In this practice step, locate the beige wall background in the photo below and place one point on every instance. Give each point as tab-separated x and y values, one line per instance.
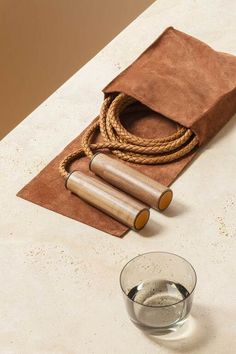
44	42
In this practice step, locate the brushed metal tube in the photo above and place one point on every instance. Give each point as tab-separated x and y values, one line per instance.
131	181
111	201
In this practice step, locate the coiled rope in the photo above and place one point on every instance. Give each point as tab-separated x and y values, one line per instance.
127	146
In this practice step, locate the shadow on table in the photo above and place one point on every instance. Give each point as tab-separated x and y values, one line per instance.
193	335
176	208
151	229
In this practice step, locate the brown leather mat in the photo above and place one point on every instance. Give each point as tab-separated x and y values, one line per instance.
177	76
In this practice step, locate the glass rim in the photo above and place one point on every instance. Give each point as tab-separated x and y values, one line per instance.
160	252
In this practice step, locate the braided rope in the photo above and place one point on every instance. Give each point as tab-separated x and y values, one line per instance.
127	146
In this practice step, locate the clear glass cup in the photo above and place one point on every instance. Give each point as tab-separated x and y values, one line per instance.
158	291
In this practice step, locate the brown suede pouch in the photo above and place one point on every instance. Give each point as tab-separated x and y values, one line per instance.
177	79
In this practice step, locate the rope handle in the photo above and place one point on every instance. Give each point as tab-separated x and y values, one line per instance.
127	146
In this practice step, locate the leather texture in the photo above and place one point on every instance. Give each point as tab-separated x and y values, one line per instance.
177	79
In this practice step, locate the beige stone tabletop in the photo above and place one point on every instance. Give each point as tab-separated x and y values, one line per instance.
59	278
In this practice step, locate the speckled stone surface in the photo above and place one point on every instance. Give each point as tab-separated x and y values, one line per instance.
60	278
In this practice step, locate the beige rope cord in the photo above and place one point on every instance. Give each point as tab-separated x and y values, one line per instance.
127	146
